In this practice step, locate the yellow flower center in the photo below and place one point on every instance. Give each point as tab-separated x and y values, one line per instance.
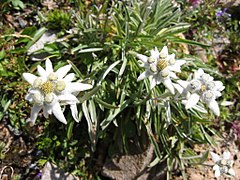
203	88
47	87
162	64
224	162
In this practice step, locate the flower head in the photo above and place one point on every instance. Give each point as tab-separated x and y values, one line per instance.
223	165
202	87
52	89
160	68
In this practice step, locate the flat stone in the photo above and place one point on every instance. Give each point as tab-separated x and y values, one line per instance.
52	172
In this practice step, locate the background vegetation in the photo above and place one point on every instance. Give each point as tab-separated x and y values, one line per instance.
119	115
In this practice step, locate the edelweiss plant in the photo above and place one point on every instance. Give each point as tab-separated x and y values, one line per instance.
223	165
160	67
201	87
51	90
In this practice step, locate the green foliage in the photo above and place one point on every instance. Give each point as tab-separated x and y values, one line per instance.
58	19
6	5
101	43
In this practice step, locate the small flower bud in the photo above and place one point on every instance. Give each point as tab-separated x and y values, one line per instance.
194	85
49	98
37	83
172	60
164	73
37	98
153	68
60	86
151	60
52	77
208	96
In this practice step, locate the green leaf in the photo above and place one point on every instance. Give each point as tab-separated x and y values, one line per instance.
105	104
70	129
107	71
118	26
113	113
36	36
123	66
186	41
17	4
88	95
90	50
80	46
76	70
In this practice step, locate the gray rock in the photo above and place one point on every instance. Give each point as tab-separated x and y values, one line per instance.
52	172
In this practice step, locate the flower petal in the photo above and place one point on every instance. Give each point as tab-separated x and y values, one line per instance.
144	75
226	155
198	73
178	88
182	83
200	109
30	78
164	52
180	62
155	53
76	87
219	85
173	75
67	97
153	82
192	100
58	113
41	72
217	172
29	97
176	66
49	67
231	172
168	84
143	58
69	77
62	71
34	113
47	109
215	157
213	106
216	167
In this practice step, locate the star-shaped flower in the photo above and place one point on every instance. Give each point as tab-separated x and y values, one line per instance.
160	67
51	90
223	165
201	87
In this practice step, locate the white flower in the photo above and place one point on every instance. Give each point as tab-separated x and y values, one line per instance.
201	87
223	165
51	90
160	68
